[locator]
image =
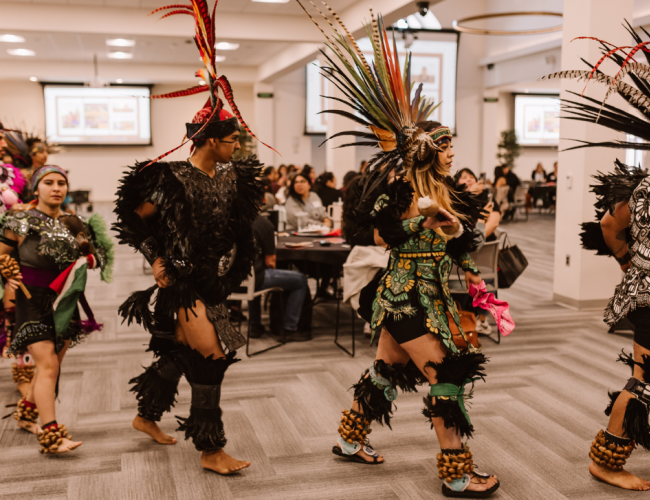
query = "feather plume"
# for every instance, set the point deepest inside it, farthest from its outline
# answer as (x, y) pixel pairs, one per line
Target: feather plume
(181, 93)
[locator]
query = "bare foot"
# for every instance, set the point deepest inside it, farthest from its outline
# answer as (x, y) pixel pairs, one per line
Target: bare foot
(151, 428)
(66, 446)
(221, 462)
(364, 455)
(28, 426)
(478, 483)
(622, 479)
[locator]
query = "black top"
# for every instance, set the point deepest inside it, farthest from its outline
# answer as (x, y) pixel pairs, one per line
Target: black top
(329, 195)
(202, 229)
(264, 234)
(511, 180)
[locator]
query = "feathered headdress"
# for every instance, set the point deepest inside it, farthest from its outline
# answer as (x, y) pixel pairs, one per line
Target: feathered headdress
(380, 95)
(21, 145)
(636, 94)
(212, 119)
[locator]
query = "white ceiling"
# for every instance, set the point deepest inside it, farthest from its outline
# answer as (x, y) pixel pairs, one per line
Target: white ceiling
(148, 49)
(232, 6)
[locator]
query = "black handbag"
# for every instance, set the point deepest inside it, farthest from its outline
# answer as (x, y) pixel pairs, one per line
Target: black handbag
(512, 262)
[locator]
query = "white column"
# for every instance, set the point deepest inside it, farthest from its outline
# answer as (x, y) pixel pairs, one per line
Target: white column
(341, 160)
(264, 124)
(490, 132)
(581, 279)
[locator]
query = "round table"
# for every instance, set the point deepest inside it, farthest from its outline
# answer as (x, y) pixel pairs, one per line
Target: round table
(335, 254)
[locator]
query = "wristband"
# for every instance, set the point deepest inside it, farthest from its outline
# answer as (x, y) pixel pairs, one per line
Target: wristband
(624, 259)
(149, 249)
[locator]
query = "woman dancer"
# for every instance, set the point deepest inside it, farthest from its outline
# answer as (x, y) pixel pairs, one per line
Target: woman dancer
(47, 325)
(410, 305)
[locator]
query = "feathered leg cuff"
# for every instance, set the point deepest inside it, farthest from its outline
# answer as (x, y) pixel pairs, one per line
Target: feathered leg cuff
(377, 389)
(156, 388)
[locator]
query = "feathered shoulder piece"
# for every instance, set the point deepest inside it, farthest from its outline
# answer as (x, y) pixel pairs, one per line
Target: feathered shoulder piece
(379, 96)
(617, 186)
(636, 93)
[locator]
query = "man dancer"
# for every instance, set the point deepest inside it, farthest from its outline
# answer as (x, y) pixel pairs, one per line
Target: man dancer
(192, 220)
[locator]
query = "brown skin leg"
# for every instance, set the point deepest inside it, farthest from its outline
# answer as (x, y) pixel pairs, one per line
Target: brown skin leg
(44, 384)
(421, 351)
(152, 430)
(197, 331)
(622, 479)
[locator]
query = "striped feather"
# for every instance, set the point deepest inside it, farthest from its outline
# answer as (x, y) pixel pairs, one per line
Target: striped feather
(173, 6)
(181, 93)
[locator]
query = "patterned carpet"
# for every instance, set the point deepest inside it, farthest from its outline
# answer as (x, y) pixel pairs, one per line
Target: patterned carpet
(535, 417)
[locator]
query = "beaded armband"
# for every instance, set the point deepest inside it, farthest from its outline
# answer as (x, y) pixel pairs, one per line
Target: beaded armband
(149, 249)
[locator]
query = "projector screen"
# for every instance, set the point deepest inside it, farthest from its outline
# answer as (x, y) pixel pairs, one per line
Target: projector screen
(537, 120)
(108, 116)
(433, 63)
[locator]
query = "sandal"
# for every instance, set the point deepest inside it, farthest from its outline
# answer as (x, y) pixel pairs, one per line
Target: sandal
(458, 488)
(356, 458)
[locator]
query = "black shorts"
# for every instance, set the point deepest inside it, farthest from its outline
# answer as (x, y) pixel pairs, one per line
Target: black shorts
(403, 330)
(640, 318)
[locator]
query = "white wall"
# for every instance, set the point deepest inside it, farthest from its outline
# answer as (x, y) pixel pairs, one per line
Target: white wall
(99, 168)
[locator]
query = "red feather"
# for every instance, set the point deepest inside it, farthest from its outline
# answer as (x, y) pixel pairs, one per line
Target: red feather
(173, 6)
(222, 82)
(180, 93)
(174, 12)
(204, 12)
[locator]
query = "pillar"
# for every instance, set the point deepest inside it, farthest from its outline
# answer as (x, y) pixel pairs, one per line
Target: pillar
(581, 279)
(265, 124)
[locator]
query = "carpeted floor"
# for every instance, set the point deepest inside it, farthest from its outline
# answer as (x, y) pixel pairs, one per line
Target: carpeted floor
(535, 417)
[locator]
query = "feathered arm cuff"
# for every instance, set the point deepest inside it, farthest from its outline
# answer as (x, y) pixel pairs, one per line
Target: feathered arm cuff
(388, 211)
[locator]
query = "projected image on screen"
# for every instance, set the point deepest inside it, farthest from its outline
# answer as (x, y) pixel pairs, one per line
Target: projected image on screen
(537, 120)
(87, 116)
(433, 64)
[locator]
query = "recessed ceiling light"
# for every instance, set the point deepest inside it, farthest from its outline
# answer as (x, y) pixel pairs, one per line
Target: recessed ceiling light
(201, 82)
(21, 52)
(120, 42)
(33, 79)
(219, 58)
(119, 80)
(226, 46)
(271, 1)
(12, 39)
(120, 55)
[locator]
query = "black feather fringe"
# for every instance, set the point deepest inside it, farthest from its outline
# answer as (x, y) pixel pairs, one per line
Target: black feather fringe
(204, 426)
(389, 219)
(155, 394)
(635, 423)
(613, 396)
(411, 377)
(450, 413)
(136, 308)
(371, 399)
(592, 238)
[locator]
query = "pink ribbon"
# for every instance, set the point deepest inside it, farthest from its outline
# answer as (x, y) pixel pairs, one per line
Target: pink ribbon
(499, 309)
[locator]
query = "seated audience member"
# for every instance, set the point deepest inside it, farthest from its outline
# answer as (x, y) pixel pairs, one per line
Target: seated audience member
(539, 174)
(267, 276)
(272, 175)
(509, 178)
(282, 176)
(269, 200)
(310, 173)
(552, 176)
(300, 198)
(465, 177)
(325, 187)
(347, 178)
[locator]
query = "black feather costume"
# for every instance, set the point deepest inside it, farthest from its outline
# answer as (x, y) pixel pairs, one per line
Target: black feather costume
(202, 229)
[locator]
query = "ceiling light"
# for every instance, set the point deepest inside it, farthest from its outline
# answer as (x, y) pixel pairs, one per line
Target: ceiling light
(271, 1)
(120, 42)
(226, 46)
(119, 80)
(402, 24)
(201, 82)
(120, 55)
(33, 79)
(21, 52)
(219, 58)
(12, 39)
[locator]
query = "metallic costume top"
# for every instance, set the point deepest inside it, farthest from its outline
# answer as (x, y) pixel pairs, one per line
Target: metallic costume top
(202, 230)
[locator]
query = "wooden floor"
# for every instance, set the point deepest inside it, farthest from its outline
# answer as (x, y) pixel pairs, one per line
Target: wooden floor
(535, 417)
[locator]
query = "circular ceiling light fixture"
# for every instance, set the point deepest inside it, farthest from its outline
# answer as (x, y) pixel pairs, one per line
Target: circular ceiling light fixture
(458, 25)
(12, 38)
(33, 79)
(226, 46)
(21, 52)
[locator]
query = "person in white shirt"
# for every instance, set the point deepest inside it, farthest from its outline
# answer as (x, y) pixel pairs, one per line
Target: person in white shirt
(301, 199)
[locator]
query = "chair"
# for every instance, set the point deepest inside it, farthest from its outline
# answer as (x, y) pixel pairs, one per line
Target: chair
(352, 318)
(520, 201)
(487, 261)
(501, 197)
(249, 293)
